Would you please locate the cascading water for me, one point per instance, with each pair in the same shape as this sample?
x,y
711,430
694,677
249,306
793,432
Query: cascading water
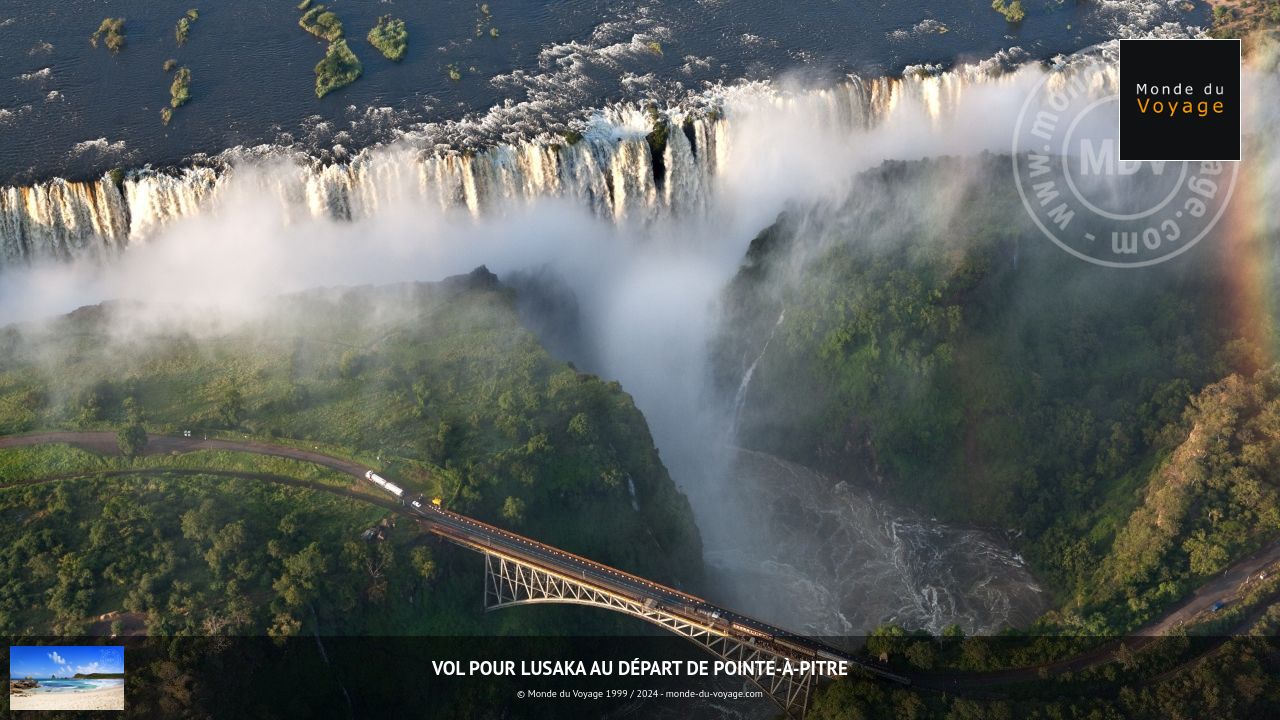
x,y
613,169
62,220
610,170
740,398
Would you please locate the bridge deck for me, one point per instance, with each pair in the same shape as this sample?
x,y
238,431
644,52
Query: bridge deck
x,y
480,536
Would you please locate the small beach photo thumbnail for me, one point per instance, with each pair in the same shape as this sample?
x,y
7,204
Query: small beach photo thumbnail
x,y
66,677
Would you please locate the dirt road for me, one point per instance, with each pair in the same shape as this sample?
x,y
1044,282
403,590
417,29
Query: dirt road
x,y
105,443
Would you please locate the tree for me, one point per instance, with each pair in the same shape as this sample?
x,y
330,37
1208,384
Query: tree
x,y
423,563
227,544
1206,556
922,654
580,427
302,572
132,439
886,641
513,510
350,364
132,410
94,403
199,522
231,407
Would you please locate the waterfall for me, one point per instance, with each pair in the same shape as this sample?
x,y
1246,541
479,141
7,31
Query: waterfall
x,y
62,220
740,398
631,488
610,167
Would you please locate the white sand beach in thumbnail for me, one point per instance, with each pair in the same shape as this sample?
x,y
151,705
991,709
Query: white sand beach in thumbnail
x,y
107,698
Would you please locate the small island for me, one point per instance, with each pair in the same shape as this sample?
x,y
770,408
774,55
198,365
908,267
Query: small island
x,y
180,90
111,32
322,23
390,37
183,28
1012,11
179,93
339,67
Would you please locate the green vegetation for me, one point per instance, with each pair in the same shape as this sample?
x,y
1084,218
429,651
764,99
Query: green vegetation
x,y
132,439
1236,681
183,28
1012,11
1121,424
1248,20
322,23
180,88
454,74
390,37
174,555
304,4
1211,499
438,386
111,32
339,67
1127,426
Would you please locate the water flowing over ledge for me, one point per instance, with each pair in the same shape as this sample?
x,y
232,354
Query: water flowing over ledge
x,y
627,164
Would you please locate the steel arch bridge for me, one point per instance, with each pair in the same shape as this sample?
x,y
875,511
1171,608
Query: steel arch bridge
x,y
510,582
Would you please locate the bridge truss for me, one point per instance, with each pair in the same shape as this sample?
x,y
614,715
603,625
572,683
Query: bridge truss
x,y
510,581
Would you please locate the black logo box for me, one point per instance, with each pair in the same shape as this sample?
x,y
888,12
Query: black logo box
x,y
1180,64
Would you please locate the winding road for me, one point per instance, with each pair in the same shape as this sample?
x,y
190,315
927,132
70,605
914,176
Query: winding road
x,y
1224,586
105,443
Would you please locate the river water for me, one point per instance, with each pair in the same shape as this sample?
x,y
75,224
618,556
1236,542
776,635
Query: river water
x,y
840,561
69,109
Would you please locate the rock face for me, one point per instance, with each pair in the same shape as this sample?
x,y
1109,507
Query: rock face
x,y
26,684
